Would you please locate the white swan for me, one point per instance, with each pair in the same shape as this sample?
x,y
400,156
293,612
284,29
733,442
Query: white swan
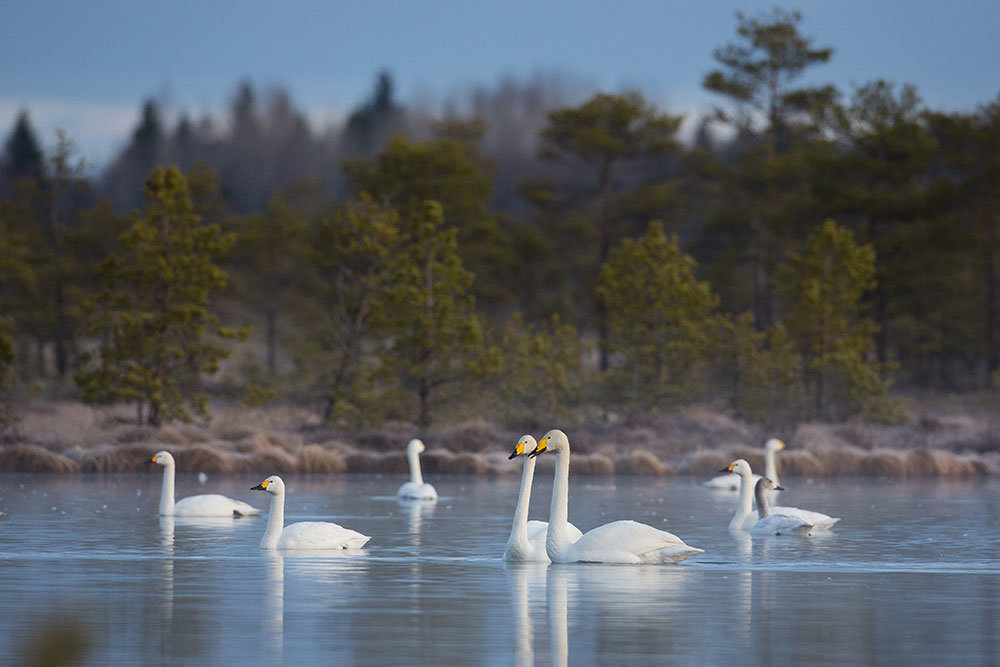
x,y
305,534
211,504
745,516
527,538
416,488
775,524
616,542
731,482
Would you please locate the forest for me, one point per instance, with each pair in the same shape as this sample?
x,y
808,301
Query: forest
x,y
530,252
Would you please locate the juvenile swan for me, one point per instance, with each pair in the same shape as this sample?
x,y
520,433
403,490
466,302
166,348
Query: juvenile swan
x,y
731,482
527,538
211,504
775,524
616,542
305,534
745,516
416,488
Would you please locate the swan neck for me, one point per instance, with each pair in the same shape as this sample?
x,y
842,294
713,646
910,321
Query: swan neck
x,y
167,491
771,467
519,529
556,541
275,522
761,495
744,506
414,456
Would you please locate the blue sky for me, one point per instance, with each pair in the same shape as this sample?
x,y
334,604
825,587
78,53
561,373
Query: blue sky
x,y
86,66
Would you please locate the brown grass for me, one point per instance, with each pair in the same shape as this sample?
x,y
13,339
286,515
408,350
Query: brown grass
x,y
126,458
32,458
883,463
272,462
641,462
800,463
704,463
317,459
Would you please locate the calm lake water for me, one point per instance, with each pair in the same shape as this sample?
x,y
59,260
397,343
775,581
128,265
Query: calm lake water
x,y
910,576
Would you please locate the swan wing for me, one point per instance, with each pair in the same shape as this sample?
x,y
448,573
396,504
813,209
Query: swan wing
x,y
781,524
630,542
320,535
413,491
213,504
819,520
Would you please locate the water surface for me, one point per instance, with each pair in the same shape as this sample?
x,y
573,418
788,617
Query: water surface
x,y
909,576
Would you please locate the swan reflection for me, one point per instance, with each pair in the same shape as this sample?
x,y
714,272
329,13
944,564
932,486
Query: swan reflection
x,y
522,577
273,604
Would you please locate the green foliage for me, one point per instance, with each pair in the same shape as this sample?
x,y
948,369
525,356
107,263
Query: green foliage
x,y
541,372
23,156
436,337
823,286
8,415
353,253
664,324
769,387
152,314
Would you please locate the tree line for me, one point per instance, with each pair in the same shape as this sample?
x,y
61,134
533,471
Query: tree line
x,y
809,248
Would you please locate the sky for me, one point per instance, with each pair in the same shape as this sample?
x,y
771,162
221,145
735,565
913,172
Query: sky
x,y
86,67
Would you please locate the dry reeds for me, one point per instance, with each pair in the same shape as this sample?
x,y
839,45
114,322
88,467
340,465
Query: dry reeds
x,y
32,458
317,459
704,463
128,458
641,462
799,463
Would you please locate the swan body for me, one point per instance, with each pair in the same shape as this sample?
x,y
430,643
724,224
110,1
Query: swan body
x,y
305,534
775,524
527,538
731,481
746,517
416,488
616,542
211,504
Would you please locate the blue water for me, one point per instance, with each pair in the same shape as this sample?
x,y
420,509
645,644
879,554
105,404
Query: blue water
x,y
909,576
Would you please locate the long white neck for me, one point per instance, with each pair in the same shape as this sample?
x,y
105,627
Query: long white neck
x,y
167,491
414,456
557,538
519,529
275,522
771,466
744,506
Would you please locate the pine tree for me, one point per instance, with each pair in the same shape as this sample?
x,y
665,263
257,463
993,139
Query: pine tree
x,y
664,323
429,317
151,316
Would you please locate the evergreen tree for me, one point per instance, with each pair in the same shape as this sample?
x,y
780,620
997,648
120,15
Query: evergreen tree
x,y
664,323
606,133
436,339
23,156
823,286
151,316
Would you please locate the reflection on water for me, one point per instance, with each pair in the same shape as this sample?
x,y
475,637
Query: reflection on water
x,y
431,588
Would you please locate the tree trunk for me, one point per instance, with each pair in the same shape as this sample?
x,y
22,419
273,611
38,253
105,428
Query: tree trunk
x,y
993,346
61,330
602,256
271,328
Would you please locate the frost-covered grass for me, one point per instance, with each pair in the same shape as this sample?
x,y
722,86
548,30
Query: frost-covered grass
x,y
69,437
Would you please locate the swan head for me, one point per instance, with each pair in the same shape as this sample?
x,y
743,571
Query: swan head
x,y
774,445
272,485
739,466
765,484
526,445
553,441
162,458
415,445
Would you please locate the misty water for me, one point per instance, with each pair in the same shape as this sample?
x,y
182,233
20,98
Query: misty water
x,y
909,576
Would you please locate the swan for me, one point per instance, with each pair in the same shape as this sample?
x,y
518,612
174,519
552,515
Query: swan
x,y
211,504
775,524
616,542
416,488
745,516
731,482
305,534
527,538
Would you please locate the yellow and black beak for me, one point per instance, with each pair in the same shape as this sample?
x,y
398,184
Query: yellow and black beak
x,y
152,460
728,468
262,486
518,450
541,447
